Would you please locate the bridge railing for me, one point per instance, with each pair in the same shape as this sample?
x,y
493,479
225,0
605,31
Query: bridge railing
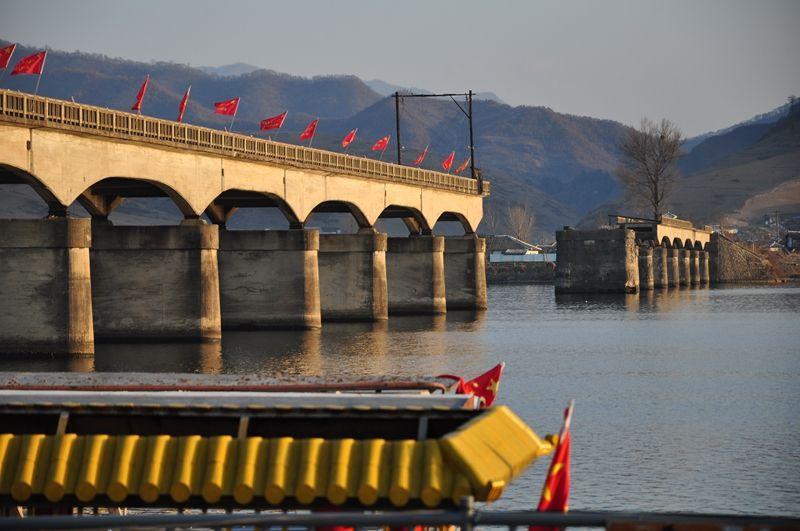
x,y
97,120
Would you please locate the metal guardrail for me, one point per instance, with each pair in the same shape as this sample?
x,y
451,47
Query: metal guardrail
x,y
62,114
465,517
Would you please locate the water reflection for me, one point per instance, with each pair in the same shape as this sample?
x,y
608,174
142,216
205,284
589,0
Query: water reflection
x,y
674,388
159,357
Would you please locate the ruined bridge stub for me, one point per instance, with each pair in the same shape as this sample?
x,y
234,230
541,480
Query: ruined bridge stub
x,y
70,152
639,254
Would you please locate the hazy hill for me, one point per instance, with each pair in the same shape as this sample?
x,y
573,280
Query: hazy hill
x,y
567,157
769,117
113,82
762,169
387,89
735,176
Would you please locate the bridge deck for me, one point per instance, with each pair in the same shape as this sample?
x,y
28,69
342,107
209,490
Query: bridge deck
x,y
19,107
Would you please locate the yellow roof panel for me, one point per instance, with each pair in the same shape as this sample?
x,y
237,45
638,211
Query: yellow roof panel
x,y
479,458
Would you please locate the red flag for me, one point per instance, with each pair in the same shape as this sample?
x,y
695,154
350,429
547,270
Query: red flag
x,y
5,55
33,64
276,122
310,130
555,494
346,141
140,96
184,102
421,157
484,387
448,162
463,166
227,107
381,144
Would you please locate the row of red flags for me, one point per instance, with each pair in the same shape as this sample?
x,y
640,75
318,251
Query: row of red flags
x,y
34,64
555,493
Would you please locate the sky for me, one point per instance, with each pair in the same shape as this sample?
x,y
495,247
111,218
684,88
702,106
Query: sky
x,y
704,64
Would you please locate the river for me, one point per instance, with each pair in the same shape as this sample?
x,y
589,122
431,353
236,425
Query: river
x,y
687,400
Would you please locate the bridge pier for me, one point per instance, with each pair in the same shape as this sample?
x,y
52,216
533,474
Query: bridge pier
x,y
156,283
695,267
352,277
646,280
596,261
684,263
673,267
465,272
660,273
415,275
45,286
705,276
269,279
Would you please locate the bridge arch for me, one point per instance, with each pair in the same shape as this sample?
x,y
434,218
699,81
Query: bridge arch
x,y
413,219
105,194
460,218
228,202
339,207
13,175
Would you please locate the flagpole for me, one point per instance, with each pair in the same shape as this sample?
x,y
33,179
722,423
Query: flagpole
x,y
310,140
230,129
44,60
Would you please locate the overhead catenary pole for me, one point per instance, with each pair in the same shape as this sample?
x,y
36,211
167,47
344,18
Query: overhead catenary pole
x,y
472,146
397,125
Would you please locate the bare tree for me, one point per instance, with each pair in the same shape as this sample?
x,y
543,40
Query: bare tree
x,y
648,166
520,222
491,221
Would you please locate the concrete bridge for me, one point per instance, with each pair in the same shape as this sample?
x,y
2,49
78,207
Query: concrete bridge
x,y
67,280
639,254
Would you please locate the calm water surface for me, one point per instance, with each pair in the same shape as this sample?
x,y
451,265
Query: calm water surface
x,y
685,401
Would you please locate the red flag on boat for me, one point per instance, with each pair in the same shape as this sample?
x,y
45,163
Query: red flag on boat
x,y
484,387
5,55
448,162
33,64
276,122
421,157
140,96
381,144
463,166
346,141
555,494
310,130
183,103
227,107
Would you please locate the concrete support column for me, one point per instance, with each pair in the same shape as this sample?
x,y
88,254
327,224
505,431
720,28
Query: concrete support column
x,y
694,267
705,276
660,272
45,286
673,267
596,261
158,283
352,277
646,281
465,272
269,279
415,275
684,263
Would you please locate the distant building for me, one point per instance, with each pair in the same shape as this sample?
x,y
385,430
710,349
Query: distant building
x,y
505,248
